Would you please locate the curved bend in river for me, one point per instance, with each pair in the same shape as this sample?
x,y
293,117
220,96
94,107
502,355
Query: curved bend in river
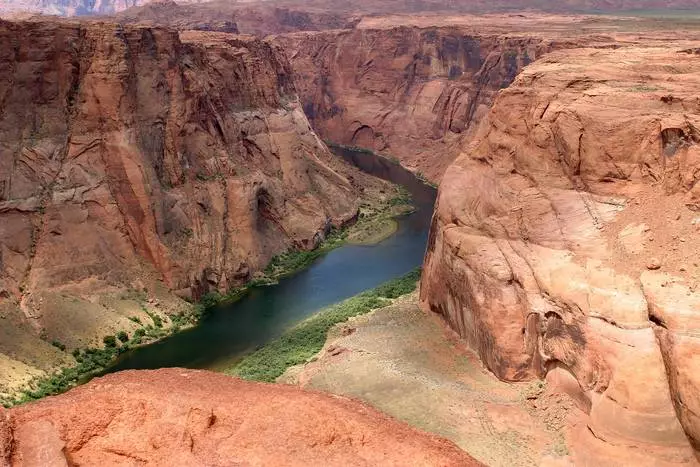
x,y
265,312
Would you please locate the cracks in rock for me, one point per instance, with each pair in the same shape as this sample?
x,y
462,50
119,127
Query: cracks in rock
x,y
590,208
577,169
602,439
661,332
657,321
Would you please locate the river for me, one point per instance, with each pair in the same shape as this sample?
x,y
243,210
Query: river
x,y
230,331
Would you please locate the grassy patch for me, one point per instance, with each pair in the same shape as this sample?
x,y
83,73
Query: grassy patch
x,y
306,339
295,260
372,224
90,362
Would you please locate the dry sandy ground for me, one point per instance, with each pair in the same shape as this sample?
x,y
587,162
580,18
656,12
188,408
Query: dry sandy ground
x,y
407,364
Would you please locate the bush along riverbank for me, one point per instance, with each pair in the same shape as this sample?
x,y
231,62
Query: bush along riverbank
x,y
93,361
375,222
305,340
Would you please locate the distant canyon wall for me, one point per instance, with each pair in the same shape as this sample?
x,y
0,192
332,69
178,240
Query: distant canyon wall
x,y
409,93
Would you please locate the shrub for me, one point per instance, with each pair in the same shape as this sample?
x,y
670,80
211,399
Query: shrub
x,y
109,341
157,320
59,345
123,336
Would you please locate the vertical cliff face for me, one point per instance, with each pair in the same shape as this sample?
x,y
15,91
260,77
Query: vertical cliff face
x,y
562,245
408,92
133,156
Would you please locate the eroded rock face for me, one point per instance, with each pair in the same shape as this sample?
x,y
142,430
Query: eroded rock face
x,y
584,170
137,156
185,417
407,92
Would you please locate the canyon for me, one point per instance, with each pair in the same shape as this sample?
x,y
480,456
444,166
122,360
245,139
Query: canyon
x,y
150,158
141,167
410,93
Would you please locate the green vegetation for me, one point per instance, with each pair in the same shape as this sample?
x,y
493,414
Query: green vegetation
x,y
425,180
305,340
373,223
59,345
109,341
90,362
295,260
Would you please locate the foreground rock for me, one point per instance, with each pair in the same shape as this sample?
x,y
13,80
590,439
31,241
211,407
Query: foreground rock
x,y
186,417
405,362
546,226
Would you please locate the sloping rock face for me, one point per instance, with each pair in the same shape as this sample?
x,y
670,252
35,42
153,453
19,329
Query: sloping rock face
x,y
407,92
184,417
562,245
135,156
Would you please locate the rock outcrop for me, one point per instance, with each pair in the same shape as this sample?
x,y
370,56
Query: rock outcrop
x,y
540,254
139,159
185,417
410,93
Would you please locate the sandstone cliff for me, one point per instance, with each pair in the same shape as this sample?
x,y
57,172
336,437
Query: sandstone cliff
x,y
562,245
137,159
183,417
409,93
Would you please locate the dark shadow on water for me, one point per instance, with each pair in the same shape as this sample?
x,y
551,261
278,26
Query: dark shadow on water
x,y
263,314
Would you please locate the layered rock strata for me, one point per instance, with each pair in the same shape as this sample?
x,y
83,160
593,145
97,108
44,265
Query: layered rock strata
x,y
411,93
563,244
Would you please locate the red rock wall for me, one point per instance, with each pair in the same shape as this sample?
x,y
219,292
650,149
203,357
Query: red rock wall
x,y
563,245
407,92
127,152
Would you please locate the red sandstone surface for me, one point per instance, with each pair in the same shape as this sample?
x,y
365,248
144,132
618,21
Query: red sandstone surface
x,y
186,417
563,244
